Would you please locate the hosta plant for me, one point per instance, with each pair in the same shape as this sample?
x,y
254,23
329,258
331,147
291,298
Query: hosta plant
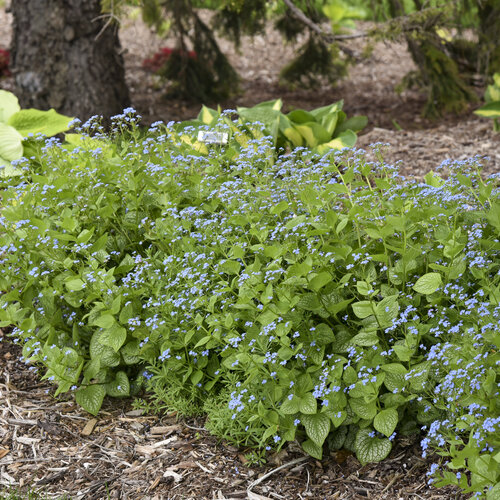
x,y
320,129
492,107
16,124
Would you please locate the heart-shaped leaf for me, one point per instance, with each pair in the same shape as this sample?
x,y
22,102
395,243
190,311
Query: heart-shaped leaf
x,y
371,449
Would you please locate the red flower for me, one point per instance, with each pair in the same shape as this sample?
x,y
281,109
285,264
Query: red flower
x,y
4,63
158,59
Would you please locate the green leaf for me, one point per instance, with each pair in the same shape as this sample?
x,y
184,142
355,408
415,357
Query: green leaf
x,y
329,121
264,114
362,309
230,267
311,448
309,302
481,470
433,179
362,408
387,310
85,235
105,320
278,208
403,352
317,427
208,115
120,387
323,335
313,133
130,353
320,280
8,105
490,110
336,439
74,284
395,376
355,123
11,143
308,404
300,116
371,449
90,398
320,113
365,339
428,283
7,170
113,337
364,288
290,406
386,421
33,121
494,493
419,375
91,369
293,136
346,139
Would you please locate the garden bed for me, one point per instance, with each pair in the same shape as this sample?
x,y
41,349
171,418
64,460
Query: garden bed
x,y
54,446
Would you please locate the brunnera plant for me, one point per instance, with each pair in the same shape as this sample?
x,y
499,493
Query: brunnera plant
x,y
311,297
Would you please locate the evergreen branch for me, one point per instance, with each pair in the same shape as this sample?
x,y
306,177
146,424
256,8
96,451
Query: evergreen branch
x,y
405,23
329,37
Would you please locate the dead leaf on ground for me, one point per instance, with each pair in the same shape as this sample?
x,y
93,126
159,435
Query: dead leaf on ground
x,y
89,427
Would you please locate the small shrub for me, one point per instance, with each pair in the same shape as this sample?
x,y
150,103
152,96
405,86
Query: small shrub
x,y
318,298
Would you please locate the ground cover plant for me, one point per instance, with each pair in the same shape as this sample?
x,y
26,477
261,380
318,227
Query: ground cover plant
x,y
309,297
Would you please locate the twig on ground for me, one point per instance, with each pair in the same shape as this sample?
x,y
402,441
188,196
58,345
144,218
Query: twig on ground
x,y
284,466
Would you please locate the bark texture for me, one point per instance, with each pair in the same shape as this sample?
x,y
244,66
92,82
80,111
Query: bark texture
x,y
63,58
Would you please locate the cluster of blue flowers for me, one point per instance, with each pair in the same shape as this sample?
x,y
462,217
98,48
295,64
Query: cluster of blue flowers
x,y
283,286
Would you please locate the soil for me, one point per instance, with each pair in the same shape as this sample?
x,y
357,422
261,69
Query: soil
x,y
52,445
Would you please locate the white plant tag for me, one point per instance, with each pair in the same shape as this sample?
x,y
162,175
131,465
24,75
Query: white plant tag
x,y
210,137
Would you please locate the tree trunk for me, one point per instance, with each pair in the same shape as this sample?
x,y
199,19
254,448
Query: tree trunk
x,y
65,57
489,36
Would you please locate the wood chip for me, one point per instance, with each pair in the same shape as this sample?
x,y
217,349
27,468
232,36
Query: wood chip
x,y
16,421
3,452
155,483
187,464
134,413
170,473
160,444
165,429
89,427
27,440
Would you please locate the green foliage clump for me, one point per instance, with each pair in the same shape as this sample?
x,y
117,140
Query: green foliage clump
x,y
315,59
309,297
17,123
320,129
492,107
447,91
